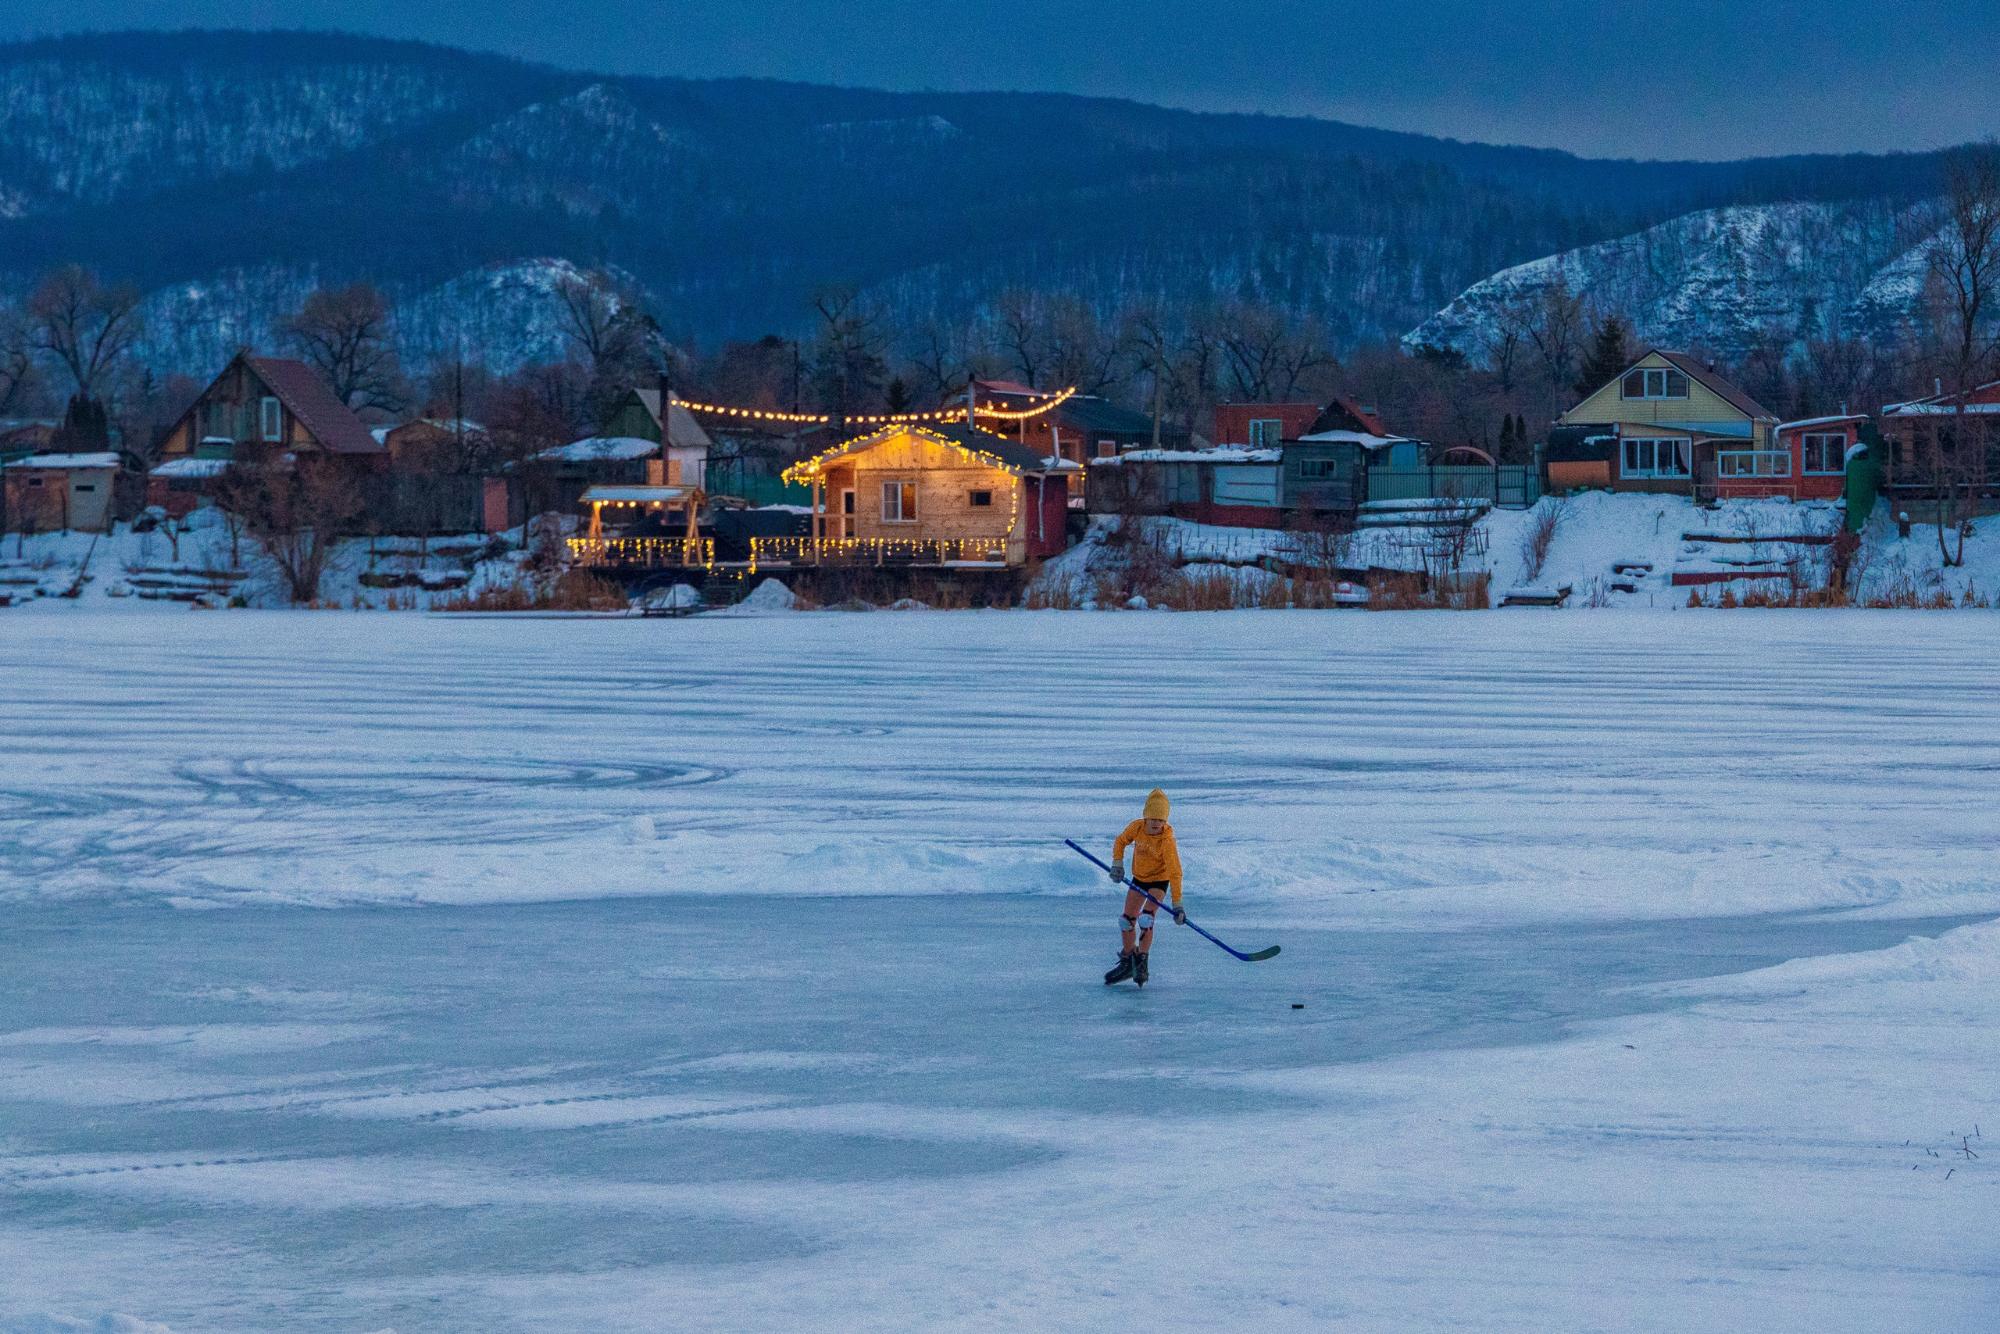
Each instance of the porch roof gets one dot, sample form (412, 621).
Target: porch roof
(637, 495)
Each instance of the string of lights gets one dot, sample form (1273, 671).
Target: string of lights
(1051, 401)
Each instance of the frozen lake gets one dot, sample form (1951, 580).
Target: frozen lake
(376, 971)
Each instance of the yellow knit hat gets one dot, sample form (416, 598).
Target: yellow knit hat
(1156, 805)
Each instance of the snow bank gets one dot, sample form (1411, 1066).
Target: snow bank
(769, 596)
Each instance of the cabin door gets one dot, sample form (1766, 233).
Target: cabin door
(847, 512)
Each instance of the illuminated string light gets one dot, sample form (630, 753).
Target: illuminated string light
(685, 552)
(1051, 401)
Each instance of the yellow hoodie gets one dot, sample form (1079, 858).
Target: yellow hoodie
(1154, 857)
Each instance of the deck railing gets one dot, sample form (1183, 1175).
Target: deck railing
(877, 551)
(643, 552)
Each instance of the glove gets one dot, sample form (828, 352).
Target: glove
(1118, 873)
(1180, 918)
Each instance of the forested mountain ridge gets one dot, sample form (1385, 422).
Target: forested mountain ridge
(226, 171)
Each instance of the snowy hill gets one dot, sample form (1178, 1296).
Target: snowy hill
(1721, 278)
(222, 171)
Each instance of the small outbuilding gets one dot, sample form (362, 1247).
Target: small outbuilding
(71, 492)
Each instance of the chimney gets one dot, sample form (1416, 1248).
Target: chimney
(1937, 386)
(666, 387)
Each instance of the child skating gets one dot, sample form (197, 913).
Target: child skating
(1156, 867)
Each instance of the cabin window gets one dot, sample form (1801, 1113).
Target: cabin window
(1266, 432)
(899, 502)
(273, 420)
(1318, 470)
(1107, 449)
(982, 499)
(1826, 453)
(1652, 383)
(1656, 458)
(84, 488)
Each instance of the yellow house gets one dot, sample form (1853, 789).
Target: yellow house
(1668, 422)
(932, 495)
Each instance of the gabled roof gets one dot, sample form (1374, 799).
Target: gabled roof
(684, 432)
(1344, 414)
(309, 399)
(1707, 377)
(1003, 453)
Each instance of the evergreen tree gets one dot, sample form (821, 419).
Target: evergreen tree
(86, 427)
(1610, 353)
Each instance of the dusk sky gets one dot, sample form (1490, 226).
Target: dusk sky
(1691, 78)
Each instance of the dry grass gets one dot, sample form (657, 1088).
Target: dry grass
(1543, 526)
(572, 590)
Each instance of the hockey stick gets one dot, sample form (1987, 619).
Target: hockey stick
(1185, 921)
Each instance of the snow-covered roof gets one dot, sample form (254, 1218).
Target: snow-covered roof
(106, 459)
(1805, 422)
(1225, 454)
(637, 495)
(1924, 407)
(1361, 438)
(191, 468)
(602, 449)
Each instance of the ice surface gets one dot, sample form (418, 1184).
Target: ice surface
(729, 973)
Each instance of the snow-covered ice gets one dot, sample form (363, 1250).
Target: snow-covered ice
(729, 972)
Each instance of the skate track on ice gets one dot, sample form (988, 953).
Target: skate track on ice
(814, 1037)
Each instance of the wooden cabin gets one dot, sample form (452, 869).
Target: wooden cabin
(1661, 425)
(934, 495)
(1923, 442)
(261, 408)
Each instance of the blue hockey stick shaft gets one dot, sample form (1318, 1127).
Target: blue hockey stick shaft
(1185, 921)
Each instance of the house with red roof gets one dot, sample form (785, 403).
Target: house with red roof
(260, 408)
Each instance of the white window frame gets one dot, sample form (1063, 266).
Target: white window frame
(1266, 432)
(1647, 447)
(1836, 441)
(894, 487)
(272, 420)
(1319, 470)
(1646, 392)
(1753, 465)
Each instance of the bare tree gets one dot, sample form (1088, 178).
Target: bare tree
(295, 513)
(1017, 330)
(348, 335)
(593, 309)
(17, 362)
(85, 326)
(1556, 328)
(849, 356)
(1963, 315)
(1267, 354)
